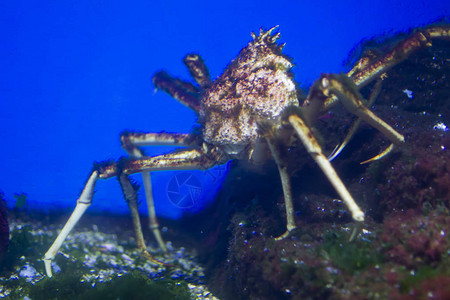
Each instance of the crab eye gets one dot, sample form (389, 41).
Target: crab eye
(325, 83)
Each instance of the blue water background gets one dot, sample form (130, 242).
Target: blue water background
(75, 74)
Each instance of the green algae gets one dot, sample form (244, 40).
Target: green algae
(350, 256)
(22, 244)
(129, 286)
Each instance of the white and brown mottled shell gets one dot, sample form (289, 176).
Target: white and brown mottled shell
(257, 85)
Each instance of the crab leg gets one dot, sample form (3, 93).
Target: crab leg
(130, 142)
(198, 70)
(183, 91)
(373, 95)
(182, 160)
(286, 185)
(370, 67)
(82, 204)
(313, 148)
(419, 39)
(268, 131)
(343, 88)
(130, 195)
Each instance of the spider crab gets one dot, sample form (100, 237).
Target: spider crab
(251, 112)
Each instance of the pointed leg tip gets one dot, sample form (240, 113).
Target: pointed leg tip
(152, 259)
(286, 234)
(48, 267)
(356, 231)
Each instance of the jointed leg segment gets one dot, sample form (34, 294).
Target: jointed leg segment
(271, 139)
(82, 204)
(187, 159)
(183, 91)
(341, 87)
(130, 195)
(373, 95)
(367, 69)
(313, 148)
(131, 142)
(419, 39)
(344, 89)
